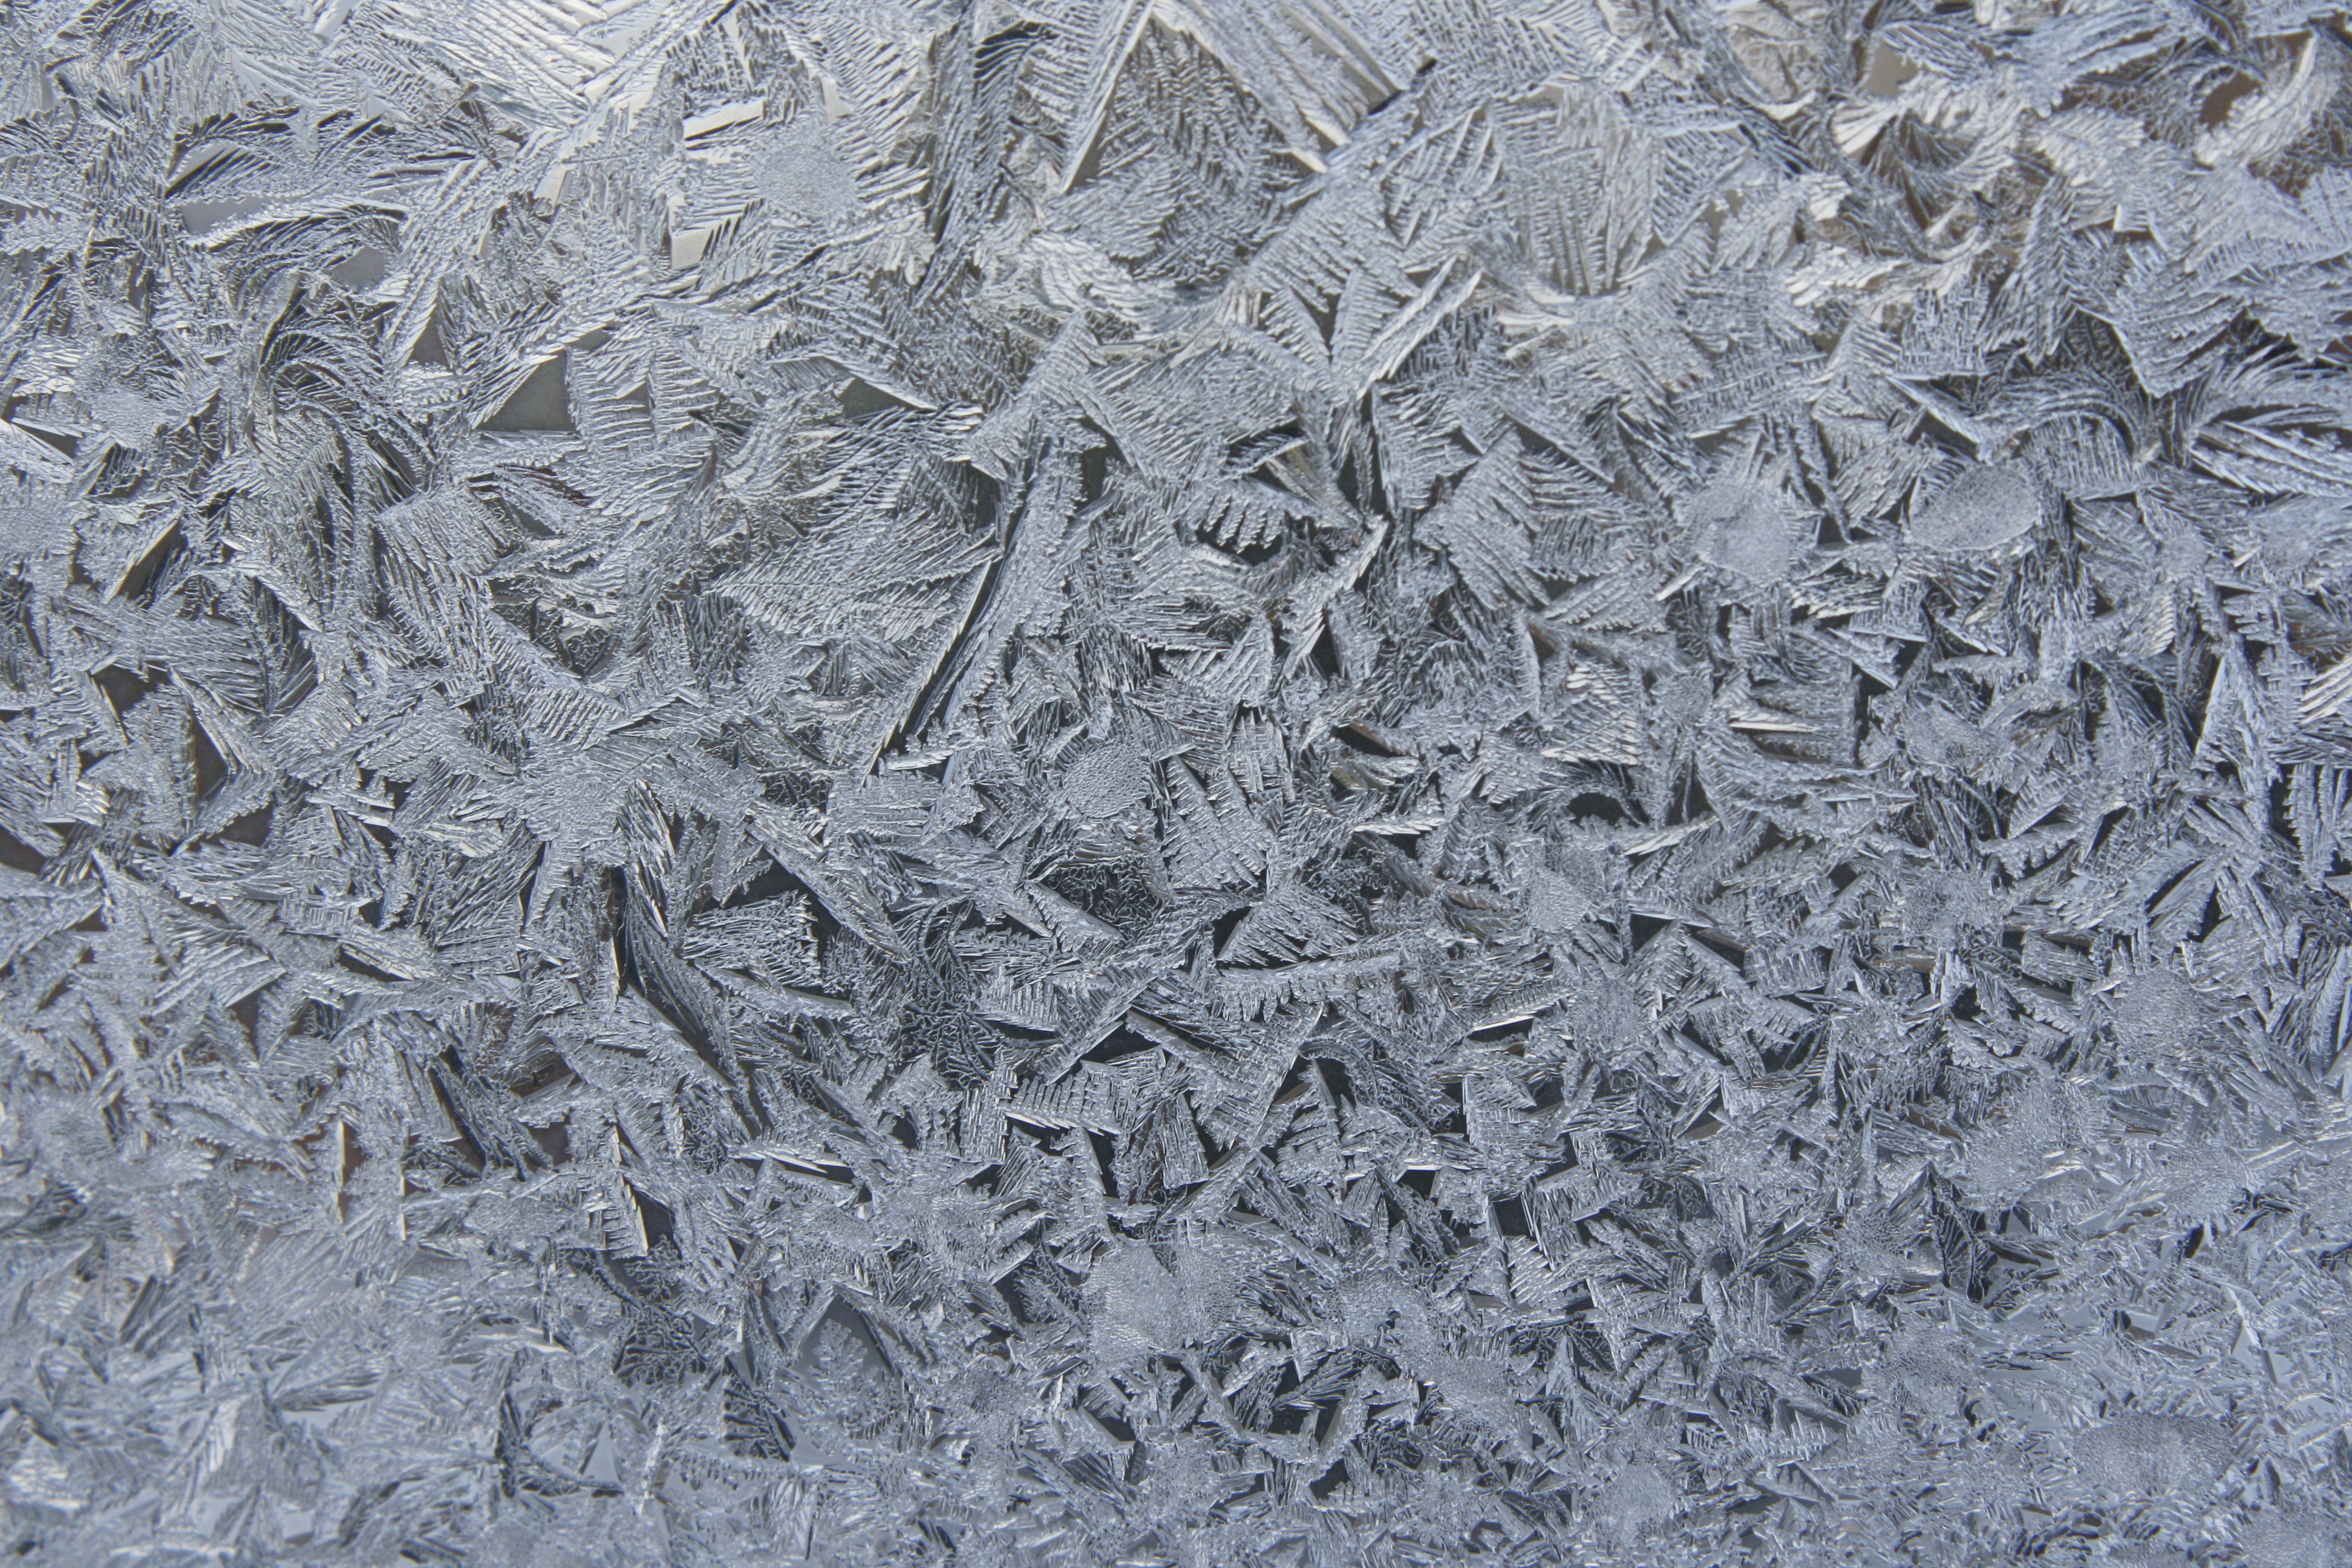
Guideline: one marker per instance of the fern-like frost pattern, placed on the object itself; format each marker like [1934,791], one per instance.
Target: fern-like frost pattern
[1051,783]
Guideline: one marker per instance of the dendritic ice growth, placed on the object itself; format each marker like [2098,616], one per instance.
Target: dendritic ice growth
[1175,782]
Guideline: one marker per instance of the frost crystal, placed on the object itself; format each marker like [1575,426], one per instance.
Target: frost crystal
[1033,782]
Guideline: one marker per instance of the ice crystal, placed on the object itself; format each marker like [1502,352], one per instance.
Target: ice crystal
[1020,782]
